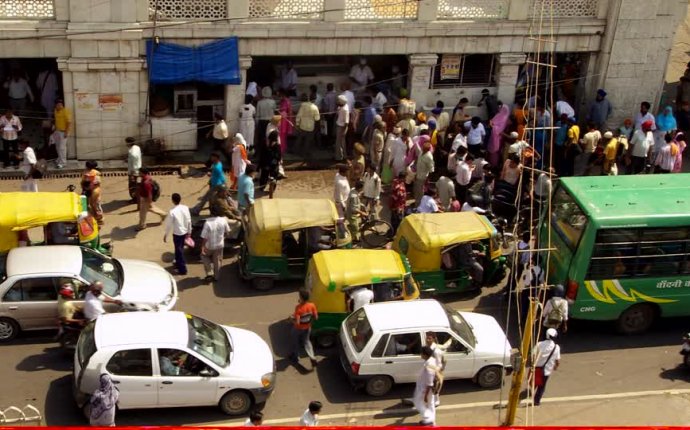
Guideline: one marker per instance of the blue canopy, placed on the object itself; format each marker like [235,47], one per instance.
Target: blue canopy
[213,63]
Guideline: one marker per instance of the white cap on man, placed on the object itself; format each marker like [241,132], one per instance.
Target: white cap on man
[551,333]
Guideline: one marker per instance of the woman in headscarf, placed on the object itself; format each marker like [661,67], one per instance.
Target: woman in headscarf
[103,402]
[520,120]
[390,117]
[247,123]
[239,159]
[498,124]
[285,109]
[682,144]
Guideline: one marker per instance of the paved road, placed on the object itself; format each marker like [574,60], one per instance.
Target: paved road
[595,360]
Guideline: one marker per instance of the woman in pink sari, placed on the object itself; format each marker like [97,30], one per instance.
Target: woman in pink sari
[498,124]
[682,144]
[285,109]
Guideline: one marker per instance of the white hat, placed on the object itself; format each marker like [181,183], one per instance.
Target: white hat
[423,127]
[608,135]
[551,333]
[514,135]
[342,99]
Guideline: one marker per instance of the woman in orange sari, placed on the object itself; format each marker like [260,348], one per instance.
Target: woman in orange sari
[520,120]
[239,159]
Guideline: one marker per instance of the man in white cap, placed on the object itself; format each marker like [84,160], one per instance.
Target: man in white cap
[342,120]
[546,357]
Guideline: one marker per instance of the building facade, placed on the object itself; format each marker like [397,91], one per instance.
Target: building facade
[445,49]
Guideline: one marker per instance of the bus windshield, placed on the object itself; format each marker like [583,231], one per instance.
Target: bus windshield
[567,218]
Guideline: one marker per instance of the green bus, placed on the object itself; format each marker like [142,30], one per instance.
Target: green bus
[622,247]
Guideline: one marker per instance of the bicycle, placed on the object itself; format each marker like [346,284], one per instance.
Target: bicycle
[375,233]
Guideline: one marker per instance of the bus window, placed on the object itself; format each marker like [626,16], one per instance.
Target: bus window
[567,218]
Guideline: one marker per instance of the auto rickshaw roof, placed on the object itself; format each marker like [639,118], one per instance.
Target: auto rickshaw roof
[291,214]
[21,210]
[350,267]
[437,230]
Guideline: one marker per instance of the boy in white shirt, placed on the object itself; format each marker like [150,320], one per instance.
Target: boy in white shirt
[372,189]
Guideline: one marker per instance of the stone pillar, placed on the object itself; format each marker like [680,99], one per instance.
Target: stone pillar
[335,10]
[428,10]
[508,68]
[238,8]
[420,73]
[234,96]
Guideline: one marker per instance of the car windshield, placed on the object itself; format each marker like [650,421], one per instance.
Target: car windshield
[98,267]
[86,346]
[460,326]
[358,329]
[209,340]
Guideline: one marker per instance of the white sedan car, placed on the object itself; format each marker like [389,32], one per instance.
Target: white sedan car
[173,359]
[380,344]
[30,278]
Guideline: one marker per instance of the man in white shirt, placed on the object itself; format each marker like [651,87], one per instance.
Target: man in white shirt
[460,140]
[28,167]
[641,143]
[288,79]
[643,116]
[93,301]
[360,297]
[341,189]
[361,75]
[11,127]
[306,119]
[425,167]
[212,243]
[310,417]
[564,108]
[546,358]
[475,135]
[446,192]
[349,95]
[220,134]
[342,121]
[591,138]
[428,203]
[133,162]
[423,397]
[179,221]
[517,146]
[18,90]
[463,176]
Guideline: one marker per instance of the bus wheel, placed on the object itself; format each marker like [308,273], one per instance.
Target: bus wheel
[636,319]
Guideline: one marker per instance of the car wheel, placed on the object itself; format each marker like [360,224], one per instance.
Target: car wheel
[9,329]
[262,284]
[490,377]
[378,385]
[236,402]
[636,319]
[326,340]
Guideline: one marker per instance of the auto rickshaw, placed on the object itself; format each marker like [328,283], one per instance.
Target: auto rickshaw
[61,215]
[433,244]
[282,234]
[333,275]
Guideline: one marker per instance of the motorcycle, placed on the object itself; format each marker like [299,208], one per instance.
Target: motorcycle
[685,350]
[69,336]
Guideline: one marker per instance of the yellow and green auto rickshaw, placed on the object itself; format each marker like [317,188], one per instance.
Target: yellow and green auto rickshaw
[333,276]
[444,248]
[62,216]
[282,234]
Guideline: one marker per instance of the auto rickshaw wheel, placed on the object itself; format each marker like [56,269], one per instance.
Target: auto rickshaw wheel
[326,340]
[262,284]
[378,385]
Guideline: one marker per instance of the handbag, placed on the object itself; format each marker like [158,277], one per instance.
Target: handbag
[189,242]
[386,174]
[539,376]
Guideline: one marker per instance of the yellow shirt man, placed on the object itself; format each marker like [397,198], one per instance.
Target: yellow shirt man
[574,134]
[63,119]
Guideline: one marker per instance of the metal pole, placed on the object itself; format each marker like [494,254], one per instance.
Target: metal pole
[516,384]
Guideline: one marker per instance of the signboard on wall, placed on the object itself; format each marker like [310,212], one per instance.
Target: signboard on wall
[110,102]
[86,101]
[450,67]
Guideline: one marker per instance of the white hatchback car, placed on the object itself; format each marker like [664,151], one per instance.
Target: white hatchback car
[173,359]
[380,344]
[30,278]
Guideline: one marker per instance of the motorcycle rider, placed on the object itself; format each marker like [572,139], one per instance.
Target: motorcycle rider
[68,311]
[93,301]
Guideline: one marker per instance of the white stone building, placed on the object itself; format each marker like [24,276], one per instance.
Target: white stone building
[99,47]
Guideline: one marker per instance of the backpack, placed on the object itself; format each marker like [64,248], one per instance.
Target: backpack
[156,190]
[555,317]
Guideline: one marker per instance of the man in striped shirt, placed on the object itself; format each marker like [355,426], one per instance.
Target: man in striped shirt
[666,156]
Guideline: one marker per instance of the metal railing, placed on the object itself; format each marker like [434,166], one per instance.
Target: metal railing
[16,416]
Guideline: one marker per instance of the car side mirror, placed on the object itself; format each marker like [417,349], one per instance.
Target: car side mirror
[208,373]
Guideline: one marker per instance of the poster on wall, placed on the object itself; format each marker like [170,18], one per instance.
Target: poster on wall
[110,102]
[86,101]
[450,67]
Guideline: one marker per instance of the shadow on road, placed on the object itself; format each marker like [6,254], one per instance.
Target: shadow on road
[52,358]
[60,409]
[119,233]
[114,205]
[678,373]
[232,285]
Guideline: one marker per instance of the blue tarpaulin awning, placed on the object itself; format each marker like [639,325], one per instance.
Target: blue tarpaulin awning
[212,63]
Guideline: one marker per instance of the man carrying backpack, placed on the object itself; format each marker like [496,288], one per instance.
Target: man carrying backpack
[147,193]
[556,310]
